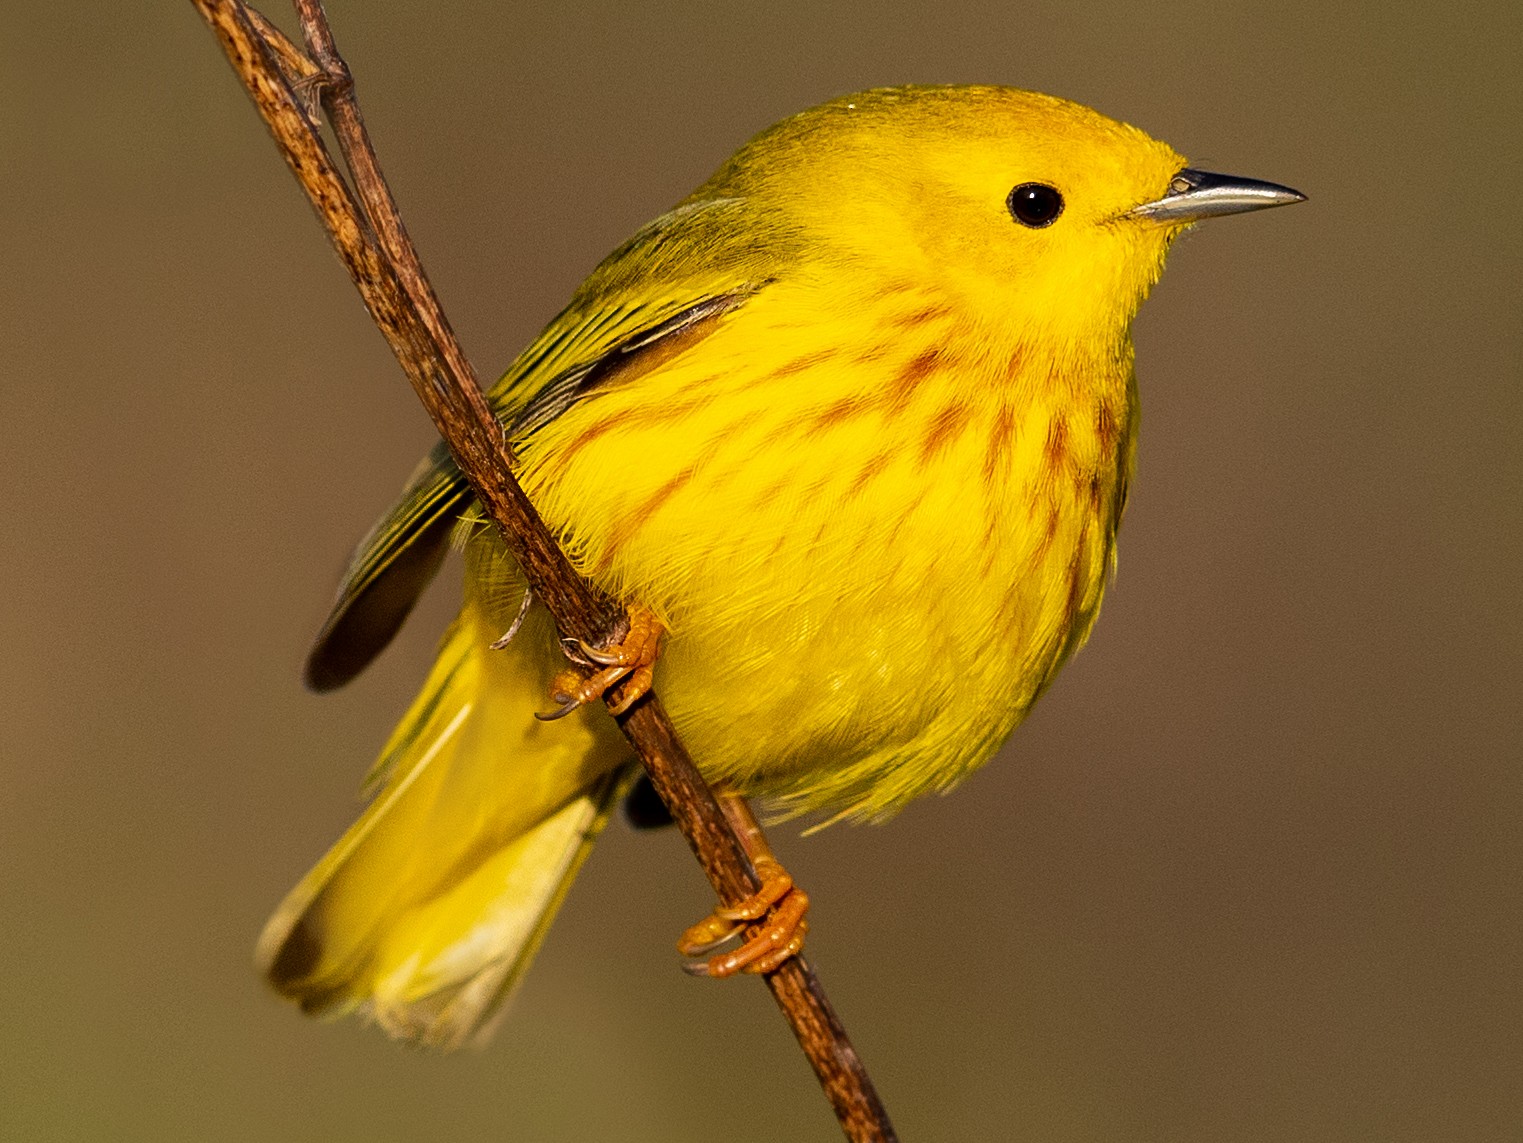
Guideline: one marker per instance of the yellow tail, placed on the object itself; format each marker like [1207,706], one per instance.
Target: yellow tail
[429,909]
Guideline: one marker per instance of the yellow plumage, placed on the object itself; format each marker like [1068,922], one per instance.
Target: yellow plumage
[858,435]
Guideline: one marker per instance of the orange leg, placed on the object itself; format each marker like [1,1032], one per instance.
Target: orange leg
[779,904]
[629,662]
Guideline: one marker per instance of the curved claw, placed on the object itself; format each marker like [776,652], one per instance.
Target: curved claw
[568,691]
[706,936]
[568,703]
[572,649]
[616,657]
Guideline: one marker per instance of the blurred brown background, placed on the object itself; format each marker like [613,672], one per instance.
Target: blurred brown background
[1252,870]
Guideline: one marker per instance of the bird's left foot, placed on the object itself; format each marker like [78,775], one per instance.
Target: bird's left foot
[627,665]
[778,905]
[783,905]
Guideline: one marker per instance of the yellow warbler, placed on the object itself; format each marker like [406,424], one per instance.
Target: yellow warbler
[855,420]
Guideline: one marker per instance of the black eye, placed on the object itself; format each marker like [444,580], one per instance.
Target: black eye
[1035,204]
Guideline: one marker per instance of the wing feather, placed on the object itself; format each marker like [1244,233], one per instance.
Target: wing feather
[658,294]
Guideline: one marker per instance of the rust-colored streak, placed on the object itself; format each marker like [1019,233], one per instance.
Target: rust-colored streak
[770,493]
[946,426]
[1055,450]
[593,433]
[1071,601]
[870,471]
[702,395]
[895,286]
[991,530]
[634,521]
[1108,432]
[839,412]
[801,363]
[913,319]
[1015,369]
[904,517]
[997,455]
[992,520]
[1049,535]
[779,434]
[1089,558]
[902,388]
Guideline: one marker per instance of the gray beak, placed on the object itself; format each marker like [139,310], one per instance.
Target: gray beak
[1200,194]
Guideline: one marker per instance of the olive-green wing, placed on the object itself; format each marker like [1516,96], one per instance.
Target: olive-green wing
[664,289]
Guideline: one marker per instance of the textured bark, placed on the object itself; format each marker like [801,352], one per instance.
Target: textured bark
[287,83]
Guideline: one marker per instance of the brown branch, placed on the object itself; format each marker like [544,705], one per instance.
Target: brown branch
[374,246]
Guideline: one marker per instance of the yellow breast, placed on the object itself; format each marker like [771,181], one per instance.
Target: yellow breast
[871,560]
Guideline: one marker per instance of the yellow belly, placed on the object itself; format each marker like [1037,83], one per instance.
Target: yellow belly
[870,566]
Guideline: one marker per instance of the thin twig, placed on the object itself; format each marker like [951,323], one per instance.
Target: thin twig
[374,247]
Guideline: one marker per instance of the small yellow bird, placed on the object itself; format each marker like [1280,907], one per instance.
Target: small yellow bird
[854,422]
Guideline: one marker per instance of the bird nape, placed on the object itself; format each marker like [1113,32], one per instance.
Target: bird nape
[851,427]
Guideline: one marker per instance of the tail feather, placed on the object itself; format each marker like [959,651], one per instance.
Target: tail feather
[514,897]
[428,910]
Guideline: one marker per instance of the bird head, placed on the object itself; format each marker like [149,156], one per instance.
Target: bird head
[1033,212]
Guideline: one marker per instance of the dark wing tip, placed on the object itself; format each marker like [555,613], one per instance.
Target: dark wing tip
[330,664]
[367,618]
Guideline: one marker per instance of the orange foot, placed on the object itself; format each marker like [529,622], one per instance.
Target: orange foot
[630,661]
[779,900]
